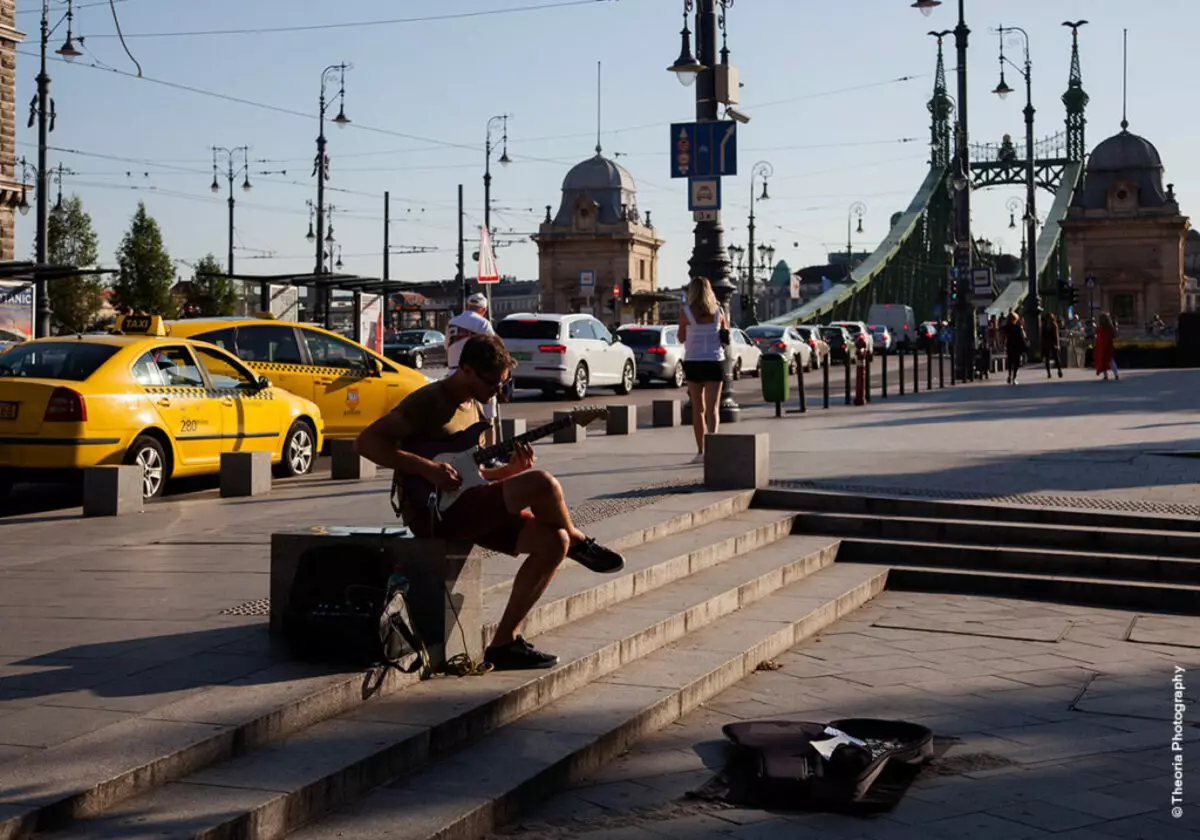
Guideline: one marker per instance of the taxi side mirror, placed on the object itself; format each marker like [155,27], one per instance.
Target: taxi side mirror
[263,383]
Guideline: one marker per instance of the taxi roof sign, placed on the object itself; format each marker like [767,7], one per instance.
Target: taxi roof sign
[141,325]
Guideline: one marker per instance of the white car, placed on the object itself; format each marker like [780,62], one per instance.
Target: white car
[566,352]
[744,352]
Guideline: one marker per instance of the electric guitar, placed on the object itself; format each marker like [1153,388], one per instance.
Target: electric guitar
[463,452]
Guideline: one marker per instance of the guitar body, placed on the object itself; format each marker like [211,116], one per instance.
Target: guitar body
[463,452]
[459,451]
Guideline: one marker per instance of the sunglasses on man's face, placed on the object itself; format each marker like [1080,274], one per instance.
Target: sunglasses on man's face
[493,383]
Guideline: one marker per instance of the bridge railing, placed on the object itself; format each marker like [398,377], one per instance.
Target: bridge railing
[1053,147]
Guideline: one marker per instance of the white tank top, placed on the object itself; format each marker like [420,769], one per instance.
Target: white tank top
[703,342]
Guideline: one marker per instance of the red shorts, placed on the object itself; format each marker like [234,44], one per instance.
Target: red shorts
[480,517]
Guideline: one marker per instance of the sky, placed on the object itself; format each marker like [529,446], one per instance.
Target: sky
[837,93]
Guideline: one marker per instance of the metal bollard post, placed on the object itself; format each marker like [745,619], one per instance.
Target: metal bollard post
[883,376]
[916,371]
[800,382]
[847,377]
[900,372]
[867,387]
[941,365]
[929,367]
[952,373]
[825,370]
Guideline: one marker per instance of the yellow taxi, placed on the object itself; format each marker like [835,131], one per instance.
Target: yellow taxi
[139,396]
[352,386]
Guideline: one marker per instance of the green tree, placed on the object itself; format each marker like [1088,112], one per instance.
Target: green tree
[211,292]
[70,240]
[146,272]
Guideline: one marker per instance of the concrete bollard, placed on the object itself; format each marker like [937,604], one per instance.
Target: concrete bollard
[622,420]
[510,427]
[245,474]
[737,462]
[665,413]
[348,465]
[571,433]
[112,491]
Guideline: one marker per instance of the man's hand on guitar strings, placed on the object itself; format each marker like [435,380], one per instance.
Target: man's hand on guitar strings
[444,477]
[522,459]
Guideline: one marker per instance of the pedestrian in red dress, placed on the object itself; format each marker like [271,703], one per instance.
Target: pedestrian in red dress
[1102,355]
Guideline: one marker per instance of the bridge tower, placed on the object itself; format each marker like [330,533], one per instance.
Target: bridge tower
[1076,101]
[940,110]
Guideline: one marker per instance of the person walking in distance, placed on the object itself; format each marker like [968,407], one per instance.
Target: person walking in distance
[1016,343]
[1103,355]
[520,510]
[471,321]
[701,324]
[1050,344]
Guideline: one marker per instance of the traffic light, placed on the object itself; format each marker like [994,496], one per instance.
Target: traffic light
[627,292]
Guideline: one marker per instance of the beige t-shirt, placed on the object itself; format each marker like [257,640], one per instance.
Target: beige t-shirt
[429,414]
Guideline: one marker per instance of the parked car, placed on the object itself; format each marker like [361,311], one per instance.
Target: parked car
[657,351]
[859,332]
[417,348]
[882,338]
[746,355]
[927,336]
[769,338]
[839,341]
[812,337]
[566,352]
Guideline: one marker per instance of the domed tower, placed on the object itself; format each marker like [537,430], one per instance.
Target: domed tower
[599,233]
[1125,235]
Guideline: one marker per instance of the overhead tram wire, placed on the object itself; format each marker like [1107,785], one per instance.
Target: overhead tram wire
[319,27]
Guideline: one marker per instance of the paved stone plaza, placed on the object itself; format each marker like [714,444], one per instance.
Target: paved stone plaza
[103,621]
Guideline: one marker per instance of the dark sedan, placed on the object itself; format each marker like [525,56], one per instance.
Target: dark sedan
[417,348]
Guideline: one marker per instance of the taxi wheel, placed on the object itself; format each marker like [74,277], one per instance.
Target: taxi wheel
[627,376]
[299,451]
[148,453]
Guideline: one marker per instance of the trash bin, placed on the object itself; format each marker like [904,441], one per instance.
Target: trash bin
[773,373]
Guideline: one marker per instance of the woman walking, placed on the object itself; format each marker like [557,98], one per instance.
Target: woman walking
[1050,344]
[1016,343]
[701,323]
[1102,355]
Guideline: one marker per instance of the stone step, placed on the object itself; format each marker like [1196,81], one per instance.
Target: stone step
[87,775]
[576,592]
[1110,593]
[977,532]
[1167,571]
[475,790]
[873,504]
[281,786]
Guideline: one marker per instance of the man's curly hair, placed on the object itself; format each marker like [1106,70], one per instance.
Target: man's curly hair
[486,353]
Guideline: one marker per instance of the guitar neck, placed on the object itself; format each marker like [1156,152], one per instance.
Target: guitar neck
[506,447]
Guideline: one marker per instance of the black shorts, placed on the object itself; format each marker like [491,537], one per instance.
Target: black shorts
[704,371]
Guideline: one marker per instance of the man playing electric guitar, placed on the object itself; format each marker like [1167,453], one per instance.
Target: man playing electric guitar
[518,511]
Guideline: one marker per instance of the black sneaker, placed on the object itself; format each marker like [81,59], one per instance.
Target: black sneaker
[591,555]
[518,655]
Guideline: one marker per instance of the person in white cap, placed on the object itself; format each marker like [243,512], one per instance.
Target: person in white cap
[471,321]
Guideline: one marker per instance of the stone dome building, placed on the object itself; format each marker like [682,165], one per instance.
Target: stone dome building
[1125,234]
[599,233]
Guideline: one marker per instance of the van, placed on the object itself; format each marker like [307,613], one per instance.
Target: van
[900,321]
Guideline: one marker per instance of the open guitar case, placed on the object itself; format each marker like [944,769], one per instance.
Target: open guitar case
[853,765]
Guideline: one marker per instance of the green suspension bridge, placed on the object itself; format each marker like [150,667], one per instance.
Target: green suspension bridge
[912,264]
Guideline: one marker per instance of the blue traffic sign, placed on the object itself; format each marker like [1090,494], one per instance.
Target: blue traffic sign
[703,150]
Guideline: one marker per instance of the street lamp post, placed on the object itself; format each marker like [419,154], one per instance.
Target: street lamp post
[321,296]
[964,332]
[737,255]
[857,209]
[708,249]
[502,120]
[231,174]
[1032,303]
[763,171]
[43,112]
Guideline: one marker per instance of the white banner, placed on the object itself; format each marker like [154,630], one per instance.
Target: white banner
[371,323]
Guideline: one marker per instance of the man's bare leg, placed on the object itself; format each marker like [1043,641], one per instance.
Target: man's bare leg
[546,546]
[541,493]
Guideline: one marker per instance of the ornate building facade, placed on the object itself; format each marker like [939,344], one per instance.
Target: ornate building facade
[1124,230]
[598,232]
[10,187]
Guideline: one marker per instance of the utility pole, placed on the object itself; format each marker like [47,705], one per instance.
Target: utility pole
[387,292]
[487,183]
[319,293]
[462,276]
